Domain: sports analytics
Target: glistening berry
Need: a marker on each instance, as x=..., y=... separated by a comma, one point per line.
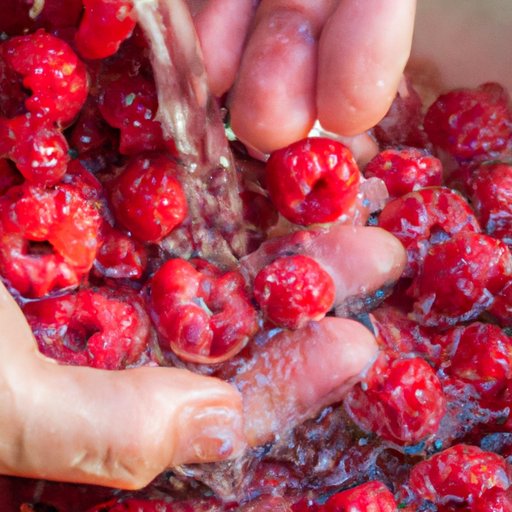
x=293, y=290
x=315, y=180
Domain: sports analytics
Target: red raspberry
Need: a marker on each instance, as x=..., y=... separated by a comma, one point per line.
x=459, y=279
x=39, y=150
x=104, y=26
x=374, y=496
x=401, y=400
x=119, y=256
x=402, y=125
x=458, y=475
x=102, y=328
x=396, y=332
x=49, y=238
x=480, y=354
x=426, y=217
x=90, y=131
x=493, y=500
x=131, y=104
x=293, y=290
x=405, y=170
x=471, y=122
x=313, y=181
x=147, y=199
x=51, y=70
x=501, y=308
x=202, y=315
x=491, y=195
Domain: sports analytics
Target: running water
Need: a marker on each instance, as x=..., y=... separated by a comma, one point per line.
x=189, y=114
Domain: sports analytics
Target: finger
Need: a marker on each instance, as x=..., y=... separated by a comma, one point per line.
x=360, y=259
x=362, y=53
x=222, y=27
x=273, y=100
x=300, y=373
x=108, y=428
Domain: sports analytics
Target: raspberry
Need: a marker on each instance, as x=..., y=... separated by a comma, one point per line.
x=374, y=496
x=312, y=181
x=90, y=131
x=459, y=279
x=405, y=170
x=119, y=255
x=130, y=104
x=480, y=354
x=104, y=26
x=396, y=332
x=202, y=315
x=147, y=199
x=293, y=290
x=102, y=328
x=458, y=475
x=51, y=70
x=49, y=238
x=39, y=150
x=501, y=308
x=493, y=500
x=426, y=217
x=401, y=400
x=402, y=125
x=491, y=195
x=470, y=122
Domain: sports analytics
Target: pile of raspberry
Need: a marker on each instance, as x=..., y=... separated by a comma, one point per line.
x=90, y=188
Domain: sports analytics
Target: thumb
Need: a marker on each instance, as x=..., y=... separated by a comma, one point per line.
x=92, y=426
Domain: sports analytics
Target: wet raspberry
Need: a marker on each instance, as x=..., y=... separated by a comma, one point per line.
x=401, y=400
x=130, y=104
x=49, y=68
x=119, y=256
x=374, y=496
x=501, y=308
x=104, y=26
x=313, y=181
x=90, y=131
x=203, y=315
x=424, y=218
x=493, y=500
x=396, y=332
x=38, y=149
x=459, y=279
x=102, y=328
x=294, y=290
x=402, y=125
x=491, y=196
x=49, y=238
x=458, y=475
x=147, y=198
x=405, y=170
x=480, y=354
x=471, y=122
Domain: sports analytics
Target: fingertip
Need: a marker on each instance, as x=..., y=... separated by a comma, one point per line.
x=222, y=27
x=273, y=100
x=362, y=53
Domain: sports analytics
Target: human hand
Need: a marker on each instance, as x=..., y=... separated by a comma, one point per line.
x=339, y=62
x=122, y=428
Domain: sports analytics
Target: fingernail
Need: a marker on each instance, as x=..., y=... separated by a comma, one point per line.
x=212, y=434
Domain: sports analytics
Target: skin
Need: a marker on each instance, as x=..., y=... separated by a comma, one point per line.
x=123, y=428
x=338, y=61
